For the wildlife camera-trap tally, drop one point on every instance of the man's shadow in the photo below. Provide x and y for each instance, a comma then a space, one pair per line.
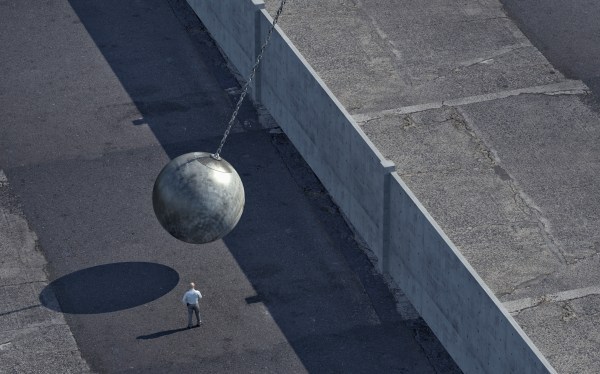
161, 334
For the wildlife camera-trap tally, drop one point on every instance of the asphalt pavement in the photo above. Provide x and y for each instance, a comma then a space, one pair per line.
95, 98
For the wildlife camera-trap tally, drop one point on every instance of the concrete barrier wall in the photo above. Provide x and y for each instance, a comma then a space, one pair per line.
463, 313
343, 158
457, 305
231, 23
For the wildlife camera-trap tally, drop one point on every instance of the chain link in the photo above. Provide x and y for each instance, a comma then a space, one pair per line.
216, 155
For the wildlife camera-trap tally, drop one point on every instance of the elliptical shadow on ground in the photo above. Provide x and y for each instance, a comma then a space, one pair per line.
109, 288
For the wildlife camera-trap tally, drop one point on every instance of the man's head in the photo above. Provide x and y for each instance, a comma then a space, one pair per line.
192, 285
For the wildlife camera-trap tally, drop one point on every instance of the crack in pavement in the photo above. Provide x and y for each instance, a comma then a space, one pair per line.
522, 201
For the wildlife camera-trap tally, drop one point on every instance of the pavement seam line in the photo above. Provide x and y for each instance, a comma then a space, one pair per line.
494, 54
23, 283
516, 306
568, 87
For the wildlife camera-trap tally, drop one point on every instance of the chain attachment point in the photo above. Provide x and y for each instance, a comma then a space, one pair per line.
216, 155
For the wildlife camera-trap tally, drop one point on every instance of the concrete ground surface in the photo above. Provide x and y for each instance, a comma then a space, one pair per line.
498, 145
95, 98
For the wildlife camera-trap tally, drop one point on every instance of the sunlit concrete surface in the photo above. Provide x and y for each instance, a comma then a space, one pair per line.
497, 144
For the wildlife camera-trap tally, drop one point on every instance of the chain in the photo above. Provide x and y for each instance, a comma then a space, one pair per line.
216, 155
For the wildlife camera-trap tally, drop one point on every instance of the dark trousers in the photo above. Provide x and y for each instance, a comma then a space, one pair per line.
193, 308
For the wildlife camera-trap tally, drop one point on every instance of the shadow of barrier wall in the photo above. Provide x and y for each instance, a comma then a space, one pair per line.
448, 294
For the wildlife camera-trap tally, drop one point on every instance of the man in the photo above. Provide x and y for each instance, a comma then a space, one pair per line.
191, 298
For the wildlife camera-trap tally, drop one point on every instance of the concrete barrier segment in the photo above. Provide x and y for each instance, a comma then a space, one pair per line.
331, 142
460, 309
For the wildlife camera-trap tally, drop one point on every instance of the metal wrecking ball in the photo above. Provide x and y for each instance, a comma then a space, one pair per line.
197, 198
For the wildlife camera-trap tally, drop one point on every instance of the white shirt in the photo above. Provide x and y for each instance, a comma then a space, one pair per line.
192, 296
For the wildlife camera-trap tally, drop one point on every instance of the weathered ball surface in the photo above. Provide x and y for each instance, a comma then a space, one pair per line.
198, 199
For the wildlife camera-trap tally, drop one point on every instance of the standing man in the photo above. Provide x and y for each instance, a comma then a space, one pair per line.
191, 298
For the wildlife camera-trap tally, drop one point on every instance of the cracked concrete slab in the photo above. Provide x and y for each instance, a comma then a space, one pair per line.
460, 181
406, 53
513, 182
550, 146
567, 332
500, 148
